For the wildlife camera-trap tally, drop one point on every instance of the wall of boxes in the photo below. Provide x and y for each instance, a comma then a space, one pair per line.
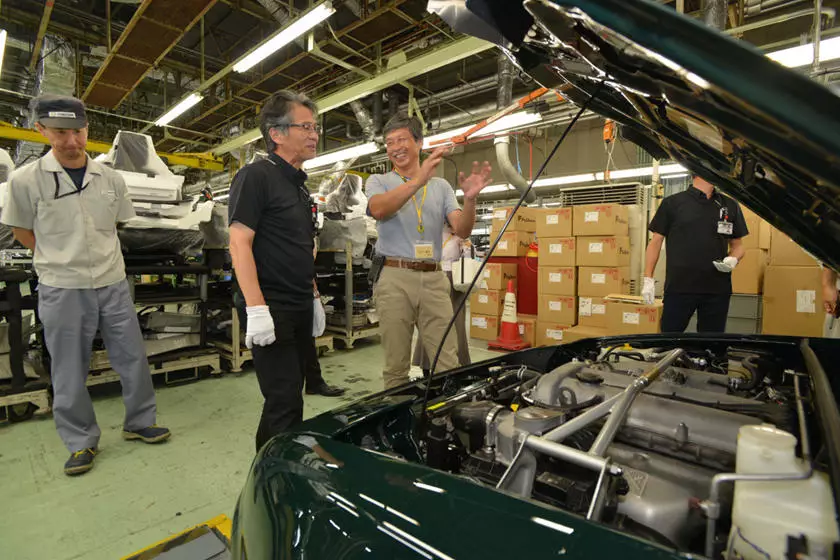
584, 257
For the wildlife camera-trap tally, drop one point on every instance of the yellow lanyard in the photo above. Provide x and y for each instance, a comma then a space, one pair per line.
418, 209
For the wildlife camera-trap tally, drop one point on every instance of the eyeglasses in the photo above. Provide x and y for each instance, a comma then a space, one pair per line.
309, 127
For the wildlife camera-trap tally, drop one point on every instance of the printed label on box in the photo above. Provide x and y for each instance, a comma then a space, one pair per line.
555, 305
483, 298
552, 219
555, 277
596, 247
555, 248
480, 322
599, 278
500, 214
599, 309
585, 307
630, 318
590, 216
503, 245
487, 274
806, 301
483, 285
521, 329
556, 334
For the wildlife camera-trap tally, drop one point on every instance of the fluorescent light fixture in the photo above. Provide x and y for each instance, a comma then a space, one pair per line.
285, 36
179, 109
3, 35
490, 189
803, 55
507, 122
341, 155
221, 197
552, 525
641, 172
567, 180
514, 120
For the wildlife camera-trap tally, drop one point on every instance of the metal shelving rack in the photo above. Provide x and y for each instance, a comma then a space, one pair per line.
348, 334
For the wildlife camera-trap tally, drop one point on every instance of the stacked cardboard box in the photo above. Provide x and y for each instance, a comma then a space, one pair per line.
630, 315
792, 290
584, 255
487, 302
519, 235
748, 277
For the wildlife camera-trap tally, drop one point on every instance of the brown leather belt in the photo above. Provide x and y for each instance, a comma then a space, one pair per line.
422, 266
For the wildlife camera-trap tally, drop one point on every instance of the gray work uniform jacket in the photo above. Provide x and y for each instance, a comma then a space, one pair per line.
76, 243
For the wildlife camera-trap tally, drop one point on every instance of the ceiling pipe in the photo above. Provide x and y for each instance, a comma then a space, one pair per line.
714, 13
829, 14
365, 120
504, 98
756, 7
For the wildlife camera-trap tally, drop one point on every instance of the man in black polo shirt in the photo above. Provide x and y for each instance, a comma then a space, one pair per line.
704, 232
271, 243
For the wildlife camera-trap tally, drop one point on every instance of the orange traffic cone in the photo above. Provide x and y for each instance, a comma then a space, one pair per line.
509, 338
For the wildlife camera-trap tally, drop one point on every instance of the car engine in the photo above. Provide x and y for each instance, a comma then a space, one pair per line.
631, 439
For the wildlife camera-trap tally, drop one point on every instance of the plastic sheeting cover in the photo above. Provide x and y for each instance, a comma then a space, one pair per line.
152, 241
336, 233
135, 153
216, 232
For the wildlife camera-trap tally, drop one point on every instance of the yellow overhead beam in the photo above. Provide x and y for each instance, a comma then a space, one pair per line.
205, 161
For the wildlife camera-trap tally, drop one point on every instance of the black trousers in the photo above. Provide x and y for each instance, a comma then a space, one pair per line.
280, 369
312, 374
711, 309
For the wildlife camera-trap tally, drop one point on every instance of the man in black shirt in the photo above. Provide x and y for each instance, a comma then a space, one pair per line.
704, 232
272, 231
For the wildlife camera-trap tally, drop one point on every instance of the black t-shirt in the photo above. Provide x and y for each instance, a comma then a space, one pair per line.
694, 227
269, 196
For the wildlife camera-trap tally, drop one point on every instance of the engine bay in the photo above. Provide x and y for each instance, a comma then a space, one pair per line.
701, 452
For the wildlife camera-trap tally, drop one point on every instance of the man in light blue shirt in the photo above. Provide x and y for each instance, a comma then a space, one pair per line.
411, 207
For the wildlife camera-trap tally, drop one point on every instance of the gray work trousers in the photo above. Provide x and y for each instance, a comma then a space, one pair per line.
71, 318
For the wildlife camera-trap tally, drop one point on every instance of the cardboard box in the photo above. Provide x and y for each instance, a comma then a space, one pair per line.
785, 252
557, 251
592, 312
603, 251
759, 236
793, 301
487, 302
600, 219
528, 329
631, 316
554, 222
748, 276
557, 309
581, 332
602, 281
550, 334
524, 220
484, 327
514, 244
557, 280
496, 276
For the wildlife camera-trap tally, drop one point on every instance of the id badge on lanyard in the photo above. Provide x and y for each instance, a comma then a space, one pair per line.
724, 226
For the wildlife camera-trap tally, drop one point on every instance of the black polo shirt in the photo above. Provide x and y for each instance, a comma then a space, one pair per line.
270, 197
690, 223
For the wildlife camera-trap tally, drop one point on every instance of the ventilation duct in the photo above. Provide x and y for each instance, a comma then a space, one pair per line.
504, 98
55, 74
365, 120
714, 13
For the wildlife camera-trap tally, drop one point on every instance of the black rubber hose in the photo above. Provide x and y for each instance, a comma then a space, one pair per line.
751, 366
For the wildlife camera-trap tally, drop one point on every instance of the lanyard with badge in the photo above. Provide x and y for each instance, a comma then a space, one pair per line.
422, 249
724, 226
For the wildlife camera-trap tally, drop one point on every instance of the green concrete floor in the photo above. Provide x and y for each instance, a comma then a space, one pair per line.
139, 494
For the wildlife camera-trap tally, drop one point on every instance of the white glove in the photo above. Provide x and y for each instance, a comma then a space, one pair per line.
260, 327
648, 289
726, 265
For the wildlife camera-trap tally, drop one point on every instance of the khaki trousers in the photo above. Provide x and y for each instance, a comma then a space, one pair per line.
405, 298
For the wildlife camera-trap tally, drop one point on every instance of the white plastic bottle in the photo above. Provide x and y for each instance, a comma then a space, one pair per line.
764, 514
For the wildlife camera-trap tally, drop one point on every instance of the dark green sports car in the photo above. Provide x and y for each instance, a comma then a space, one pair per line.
682, 446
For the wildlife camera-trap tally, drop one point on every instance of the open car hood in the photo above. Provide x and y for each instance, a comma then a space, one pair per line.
765, 135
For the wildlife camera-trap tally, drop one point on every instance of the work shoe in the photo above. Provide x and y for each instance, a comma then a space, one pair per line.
80, 462
326, 390
152, 434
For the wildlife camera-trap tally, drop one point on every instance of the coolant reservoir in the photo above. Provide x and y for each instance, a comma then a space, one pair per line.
765, 513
